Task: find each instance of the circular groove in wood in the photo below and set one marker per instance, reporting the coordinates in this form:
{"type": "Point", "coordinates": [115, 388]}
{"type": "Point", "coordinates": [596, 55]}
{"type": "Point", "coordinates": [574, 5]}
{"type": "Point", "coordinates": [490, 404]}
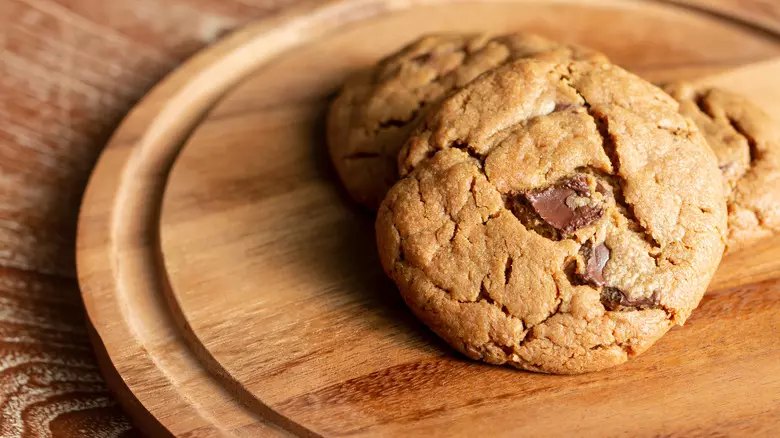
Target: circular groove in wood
{"type": "Point", "coordinates": [135, 252]}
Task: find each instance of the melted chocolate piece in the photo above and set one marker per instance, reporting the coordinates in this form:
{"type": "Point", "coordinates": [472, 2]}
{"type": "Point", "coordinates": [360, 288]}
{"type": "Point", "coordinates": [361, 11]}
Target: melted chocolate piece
{"type": "Point", "coordinates": [553, 205]}
{"type": "Point", "coordinates": [597, 258]}
{"type": "Point", "coordinates": [616, 300]}
{"type": "Point", "coordinates": [604, 189]}
{"type": "Point", "coordinates": [522, 209]}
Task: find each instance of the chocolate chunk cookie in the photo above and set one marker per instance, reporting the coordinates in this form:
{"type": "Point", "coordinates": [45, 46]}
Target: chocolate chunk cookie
{"type": "Point", "coordinates": [555, 217]}
{"type": "Point", "coordinates": [747, 143]}
{"type": "Point", "coordinates": [376, 110]}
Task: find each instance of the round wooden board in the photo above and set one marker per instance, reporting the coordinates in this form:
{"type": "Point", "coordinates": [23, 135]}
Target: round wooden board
{"type": "Point", "coordinates": [233, 289]}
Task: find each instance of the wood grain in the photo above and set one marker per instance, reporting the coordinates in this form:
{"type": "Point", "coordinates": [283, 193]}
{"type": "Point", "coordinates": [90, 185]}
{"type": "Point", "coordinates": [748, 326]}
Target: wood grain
{"type": "Point", "coordinates": [240, 294]}
{"type": "Point", "coordinates": [69, 71]}
{"type": "Point", "coordinates": [46, 370]}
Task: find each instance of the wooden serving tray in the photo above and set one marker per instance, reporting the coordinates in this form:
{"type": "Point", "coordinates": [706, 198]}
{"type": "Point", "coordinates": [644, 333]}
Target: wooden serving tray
{"type": "Point", "coordinates": [234, 290]}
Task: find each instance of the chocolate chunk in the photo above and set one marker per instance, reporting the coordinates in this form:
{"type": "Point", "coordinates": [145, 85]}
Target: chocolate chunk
{"type": "Point", "coordinates": [522, 209]}
{"type": "Point", "coordinates": [577, 183]}
{"type": "Point", "coordinates": [615, 300]}
{"type": "Point", "coordinates": [556, 205]}
{"type": "Point", "coordinates": [643, 302]}
{"type": "Point", "coordinates": [604, 189]}
{"type": "Point", "coordinates": [611, 298]}
{"type": "Point", "coordinates": [597, 258]}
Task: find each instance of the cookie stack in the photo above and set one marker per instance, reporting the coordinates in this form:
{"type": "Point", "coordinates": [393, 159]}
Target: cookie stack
{"type": "Point", "coordinates": [542, 208]}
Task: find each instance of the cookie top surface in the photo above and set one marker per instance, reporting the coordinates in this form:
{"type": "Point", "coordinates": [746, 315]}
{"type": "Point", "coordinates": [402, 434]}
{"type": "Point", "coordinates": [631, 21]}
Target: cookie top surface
{"type": "Point", "coordinates": [554, 217]}
{"type": "Point", "coordinates": [747, 143]}
{"type": "Point", "coordinates": [377, 109]}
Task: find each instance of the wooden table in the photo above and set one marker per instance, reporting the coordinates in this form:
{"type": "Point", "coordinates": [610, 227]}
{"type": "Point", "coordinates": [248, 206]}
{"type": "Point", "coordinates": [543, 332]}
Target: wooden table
{"type": "Point", "coordinates": [69, 71]}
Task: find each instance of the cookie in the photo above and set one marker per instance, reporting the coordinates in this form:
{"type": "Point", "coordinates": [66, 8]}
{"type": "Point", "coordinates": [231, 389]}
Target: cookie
{"type": "Point", "coordinates": [376, 110]}
{"type": "Point", "coordinates": [747, 143]}
{"type": "Point", "coordinates": [558, 218]}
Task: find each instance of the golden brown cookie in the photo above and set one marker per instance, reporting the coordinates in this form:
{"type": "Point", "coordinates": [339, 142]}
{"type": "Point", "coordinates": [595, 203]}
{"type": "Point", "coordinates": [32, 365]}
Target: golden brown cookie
{"type": "Point", "coordinates": [554, 217]}
{"type": "Point", "coordinates": [747, 143]}
{"type": "Point", "coordinates": [376, 110]}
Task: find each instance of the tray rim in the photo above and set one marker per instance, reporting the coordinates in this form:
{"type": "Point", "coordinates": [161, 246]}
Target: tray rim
{"type": "Point", "coordinates": [178, 84]}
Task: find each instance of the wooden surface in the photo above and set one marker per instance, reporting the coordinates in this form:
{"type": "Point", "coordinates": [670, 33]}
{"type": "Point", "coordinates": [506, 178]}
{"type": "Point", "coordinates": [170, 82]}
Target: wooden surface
{"type": "Point", "coordinates": [69, 71]}
{"type": "Point", "coordinates": [237, 291]}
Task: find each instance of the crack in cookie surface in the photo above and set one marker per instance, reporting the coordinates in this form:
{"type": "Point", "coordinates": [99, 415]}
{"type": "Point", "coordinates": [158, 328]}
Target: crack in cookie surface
{"type": "Point", "coordinates": [617, 185]}
{"type": "Point", "coordinates": [753, 149]}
